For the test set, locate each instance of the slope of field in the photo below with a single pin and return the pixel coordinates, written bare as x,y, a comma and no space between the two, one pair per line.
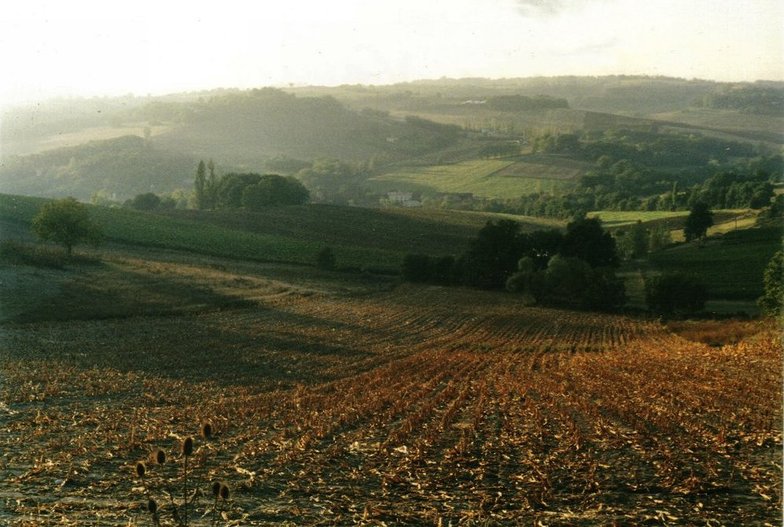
145,229
360,238
488,178
420,406
731,266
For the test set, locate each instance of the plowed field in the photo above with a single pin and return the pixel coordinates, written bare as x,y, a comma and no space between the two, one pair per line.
421,406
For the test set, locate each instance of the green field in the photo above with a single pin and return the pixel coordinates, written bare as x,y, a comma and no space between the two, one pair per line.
188,234
731,265
725,220
619,218
361,238
487,178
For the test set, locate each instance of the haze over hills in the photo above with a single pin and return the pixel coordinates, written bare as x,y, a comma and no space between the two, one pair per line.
129,145
400,263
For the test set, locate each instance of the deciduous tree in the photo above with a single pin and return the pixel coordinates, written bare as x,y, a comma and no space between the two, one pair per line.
700,218
67,222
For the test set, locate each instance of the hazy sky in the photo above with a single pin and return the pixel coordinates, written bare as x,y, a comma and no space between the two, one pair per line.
78,47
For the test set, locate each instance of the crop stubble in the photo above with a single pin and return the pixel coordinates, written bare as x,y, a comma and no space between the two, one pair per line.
416,406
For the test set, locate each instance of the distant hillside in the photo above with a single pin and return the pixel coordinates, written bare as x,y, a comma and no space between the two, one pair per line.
761,99
249,127
241,131
632,95
128,145
595,103
122,167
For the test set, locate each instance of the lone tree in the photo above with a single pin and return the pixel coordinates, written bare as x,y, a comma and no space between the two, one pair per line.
67,222
700,218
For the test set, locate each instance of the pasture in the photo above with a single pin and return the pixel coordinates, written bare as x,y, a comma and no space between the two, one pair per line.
335,401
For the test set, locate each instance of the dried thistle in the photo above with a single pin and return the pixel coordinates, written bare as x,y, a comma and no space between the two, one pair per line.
187,450
152,506
216,488
206,430
160,456
224,492
187,446
141,468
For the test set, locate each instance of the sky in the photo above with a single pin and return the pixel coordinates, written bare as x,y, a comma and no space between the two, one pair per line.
87,48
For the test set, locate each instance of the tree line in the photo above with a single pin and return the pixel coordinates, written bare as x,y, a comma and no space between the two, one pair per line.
249,190
231,191
575,268
621,185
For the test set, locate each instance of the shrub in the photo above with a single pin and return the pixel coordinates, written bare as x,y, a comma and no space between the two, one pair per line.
417,268
675,293
443,270
146,201
773,278
568,281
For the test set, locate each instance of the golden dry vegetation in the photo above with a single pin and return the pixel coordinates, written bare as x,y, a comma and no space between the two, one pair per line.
339,405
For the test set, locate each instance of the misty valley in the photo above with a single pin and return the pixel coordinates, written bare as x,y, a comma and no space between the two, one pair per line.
543,300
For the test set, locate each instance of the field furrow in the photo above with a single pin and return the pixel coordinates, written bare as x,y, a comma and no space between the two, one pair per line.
410,407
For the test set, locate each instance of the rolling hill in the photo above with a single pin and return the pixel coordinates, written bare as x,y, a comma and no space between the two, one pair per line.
128,145
360,238
240,131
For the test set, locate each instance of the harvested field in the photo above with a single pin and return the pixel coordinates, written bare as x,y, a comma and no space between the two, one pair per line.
419,406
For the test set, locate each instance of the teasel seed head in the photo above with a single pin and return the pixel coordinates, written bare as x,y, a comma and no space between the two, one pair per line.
160,456
140,469
224,492
216,488
206,430
187,446
152,506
